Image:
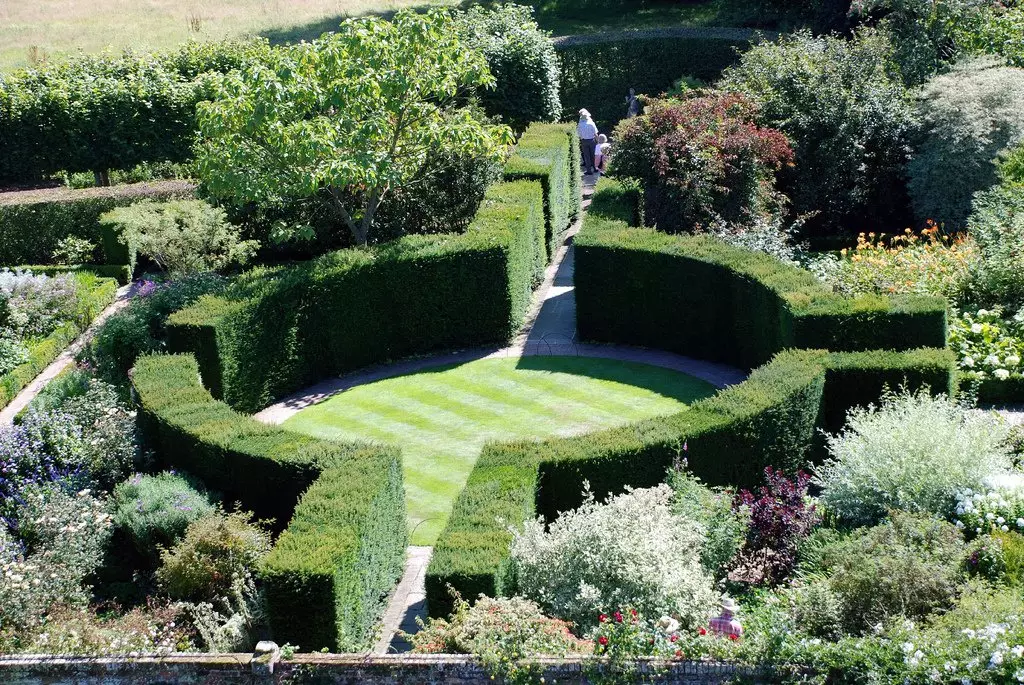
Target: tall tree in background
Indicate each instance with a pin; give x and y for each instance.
(346, 118)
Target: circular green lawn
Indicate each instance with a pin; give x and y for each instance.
(441, 417)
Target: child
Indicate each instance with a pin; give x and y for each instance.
(602, 148)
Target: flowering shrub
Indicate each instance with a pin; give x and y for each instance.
(910, 453)
(990, 509)
(149, 630)
(631, 550)
(215, 550)
(987, 345)
(63, 540)
(13, 352)
(501, 633)
(928, 263)
(997, 224)
(230, 623)
(36, 304)
(781, 515)
(157, 510)
(702, 160)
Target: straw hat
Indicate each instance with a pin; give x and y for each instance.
(729, 604)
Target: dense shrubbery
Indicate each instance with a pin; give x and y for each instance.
(631, 550)
(997, 225)
(702, 161)
(181, 237)
(969, 115)
(522, 60)
(32, 224)
(848, 118)
(914, 452)
(155, 510)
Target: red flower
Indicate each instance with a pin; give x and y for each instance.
(701, 631)
(603, 641)
(617, 616)
(673, 638)
(602, 618)
(679, 654)
(633, 612)
(734, 636)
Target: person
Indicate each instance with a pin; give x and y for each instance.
(632, 104)
(601, 150)
(587, 131)
(726, 624)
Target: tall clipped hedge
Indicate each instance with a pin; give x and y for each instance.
(698, 296)
(330, 572)
(772, 419)
(550, 153)
(33, 222)
(281, 330)
(108, 112)
(599, 69)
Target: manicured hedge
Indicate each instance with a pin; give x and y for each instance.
(698, 296)
(598, 70)
(281, 330)
(550, 154)
(94, 293)
(330, 572)
(33, 222)
(772, 419)
(109, 112)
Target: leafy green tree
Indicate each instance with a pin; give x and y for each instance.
(346, 118)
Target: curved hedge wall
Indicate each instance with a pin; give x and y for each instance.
(700, 297)
(771, 419)
(599, 69)
(330, 572)
(283, 329)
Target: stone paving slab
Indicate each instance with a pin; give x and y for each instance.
(407, 603)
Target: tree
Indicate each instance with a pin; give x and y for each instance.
(346, 118)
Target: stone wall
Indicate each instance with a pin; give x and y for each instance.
(267, 668)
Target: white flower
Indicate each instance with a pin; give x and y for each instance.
(1012, 360)
(1020, 522)
(1001, 374)
(1005, 529)
(969, 362)
(1018, 651)
(996, 660)
(992, 360)
(976, 328)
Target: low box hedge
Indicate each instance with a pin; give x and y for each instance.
(283, 329)
(33, 222)
(550, 154)
(94, 294)
(598, 70)
(329, 574)
(699, 296)
(771, 419)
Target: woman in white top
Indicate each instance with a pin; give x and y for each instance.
(601, 149)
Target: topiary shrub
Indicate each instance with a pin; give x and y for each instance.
(969, 116)
(909, 453)
(846, 115)
(521, 59)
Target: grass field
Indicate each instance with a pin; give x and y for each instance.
(31, 31)
(442, 417)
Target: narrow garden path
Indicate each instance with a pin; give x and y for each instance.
(549, 329)
(65, 359)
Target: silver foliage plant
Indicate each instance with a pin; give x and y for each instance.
(915, 452)
(630, 551)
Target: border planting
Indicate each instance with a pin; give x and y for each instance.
(599, 69)
(33, 222)
(771, 419)
(94, 294)
(330, 572)
(703, 298)
(281, 330)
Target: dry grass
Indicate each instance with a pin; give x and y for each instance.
(31, 30)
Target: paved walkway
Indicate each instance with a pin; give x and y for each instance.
(64, 360)
(549, 329)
